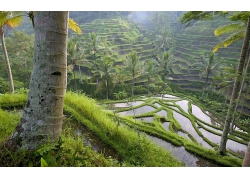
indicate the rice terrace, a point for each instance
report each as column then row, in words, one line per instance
column 124, row 89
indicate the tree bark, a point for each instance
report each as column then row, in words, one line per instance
column 43, row 113
column 11, row 86
column 238, row 99
column 205, row 84
column 246, row 161
column 222, row 148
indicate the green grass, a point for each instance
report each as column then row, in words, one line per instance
column 124, row 140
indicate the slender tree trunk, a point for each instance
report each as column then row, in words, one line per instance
column 148, row 84
column 11, row 84
column 43, row 113
column 74, row 77
column 133, row 83
column 238, row 100
column 107, row 88
column 205, row 84
column 80, row 72
column 222, row 148
column 246, row 161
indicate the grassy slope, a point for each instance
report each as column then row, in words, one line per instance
column 124, row 140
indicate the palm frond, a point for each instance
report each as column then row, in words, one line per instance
column 12, row 22
column 236, row 36
column 233, row 27
column 74, row 26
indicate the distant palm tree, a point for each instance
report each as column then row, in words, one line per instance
column 74, row 54
column 207, row 65
column 133, row 64
column 163, row 40
column 105, row 71
column 12, row 20
column 165, row 62
column 225, row 79
column 150, row 70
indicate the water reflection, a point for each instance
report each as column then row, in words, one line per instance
column 129, row 104
column 137, row 111
column 180, row 153
column 162, row 113
column 166, row 125
column 146, row 119
column 183, row 104
column 157, row 104
column 196, row 111
column 187, row 126
column 183, row 135
column 231, row 145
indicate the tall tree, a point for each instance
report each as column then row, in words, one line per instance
column 150, row 70
column 133, row 64
column 246, row 161
column 75, row 54
column 165, row 62
column 236, row 88
column 105, row 71
column 43, row 112
column 207, row 65
column 12, row 20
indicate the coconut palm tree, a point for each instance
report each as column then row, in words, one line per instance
column 239, row 94
column 237, row 29
column 133, row 64
column 207, row 65
column 163, row 40
column 225, row 80
column 246, row 161
column 150, row 70
column 165, row 63
column 222, row 148
column 43, row 112
column 75, row 54
column 105, row 71
column 12, row 20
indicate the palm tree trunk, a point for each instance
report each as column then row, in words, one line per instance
column 43, row 113
column 80, row 72
column 75, row 77
column 133, row 83
column 246, row 161
column 205, row 84
column 148, row 84
column 11, row 86
column 238, row 100
column 222, row 148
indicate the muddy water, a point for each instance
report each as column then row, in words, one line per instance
column 180, row 153
column 183, row 104
column 137, row 111
column 187, row 126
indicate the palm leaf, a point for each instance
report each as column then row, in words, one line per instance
column 236, row 36
column 234, row 27
column 74, row 26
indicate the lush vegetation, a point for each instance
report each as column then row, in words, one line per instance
column 116, row 58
